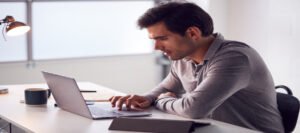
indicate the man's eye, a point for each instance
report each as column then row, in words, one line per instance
column 163, row 38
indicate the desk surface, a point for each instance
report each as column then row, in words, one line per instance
column 50, row 119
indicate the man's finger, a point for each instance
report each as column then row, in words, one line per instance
column 110, row 98
column 113, row 100
column 129, row 102
column 133, row 101
column 121, row 101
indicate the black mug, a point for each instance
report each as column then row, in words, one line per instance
column 37, row 96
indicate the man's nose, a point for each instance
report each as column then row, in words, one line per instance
column 157, row 46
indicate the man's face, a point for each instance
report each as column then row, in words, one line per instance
column 172, row 44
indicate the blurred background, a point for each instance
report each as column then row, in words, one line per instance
column 98, row 40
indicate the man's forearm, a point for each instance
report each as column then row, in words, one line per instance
column 180, row 106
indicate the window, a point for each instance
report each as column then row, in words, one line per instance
column 14, row 48
column 74, row 29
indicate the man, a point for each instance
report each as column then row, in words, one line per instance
column 210, row 77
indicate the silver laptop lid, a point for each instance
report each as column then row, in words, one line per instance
column 66, row 97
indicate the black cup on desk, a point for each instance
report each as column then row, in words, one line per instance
column 37, row 96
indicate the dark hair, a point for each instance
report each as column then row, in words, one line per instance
column 178, row 17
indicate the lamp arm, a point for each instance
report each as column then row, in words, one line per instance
column 3, row 31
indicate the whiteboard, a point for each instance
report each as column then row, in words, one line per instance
column 88, row 29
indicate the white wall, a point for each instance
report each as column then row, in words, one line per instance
column 218, row 10
column 130, row 74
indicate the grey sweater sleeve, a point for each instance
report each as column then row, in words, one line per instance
column 227, row 74
column 170, row 84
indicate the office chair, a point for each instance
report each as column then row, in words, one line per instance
column 288, row 106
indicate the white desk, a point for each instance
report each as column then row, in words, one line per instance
column 50, row 119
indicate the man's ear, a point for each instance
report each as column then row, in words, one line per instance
column 193, row 33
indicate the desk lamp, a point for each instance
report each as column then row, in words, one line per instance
column 12, row 28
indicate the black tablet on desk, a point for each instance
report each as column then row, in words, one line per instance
column 155, row 125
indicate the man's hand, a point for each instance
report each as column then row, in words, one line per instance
column 167, row 94
column 131, row 101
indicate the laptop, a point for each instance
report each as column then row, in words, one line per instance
column 68, row 97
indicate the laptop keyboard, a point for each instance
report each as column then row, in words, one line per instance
column 106, row 111
column 99, row 112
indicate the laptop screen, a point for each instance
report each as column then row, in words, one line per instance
column 66, row 93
